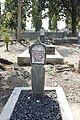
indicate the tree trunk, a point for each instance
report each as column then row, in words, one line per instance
column 0, row 13
column 74, row 7
column 49, row 23
column 7, row 47
column 19, row 21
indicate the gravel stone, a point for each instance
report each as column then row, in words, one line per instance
column 29, row 107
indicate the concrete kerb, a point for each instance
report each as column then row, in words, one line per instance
column 64, row 107
column 24, row 58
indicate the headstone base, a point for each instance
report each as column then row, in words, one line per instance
column 38, row 78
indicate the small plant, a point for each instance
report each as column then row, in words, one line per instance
column 6, row 40
column 6, row 37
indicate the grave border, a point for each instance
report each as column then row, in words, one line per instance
column 63, row 104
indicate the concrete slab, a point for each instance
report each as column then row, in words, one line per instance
column 64, row 107
column 23, row 59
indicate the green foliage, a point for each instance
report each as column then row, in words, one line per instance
column 6, row 37
column 78, row 25
column 10, row 14
column 10, row 17
column 58, row 9
column 53, row 23
column 36, row 15
column 53, row 14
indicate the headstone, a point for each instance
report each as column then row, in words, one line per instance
column 38, row 59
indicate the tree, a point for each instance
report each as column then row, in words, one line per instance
column 6, row 37
column 12, row 7
column 58, row 9
column 78, row 14
column 53, row 15
column 0, row 14
column 74, row 17
column 69, row 9
column 36, row 15
column 19, row 21
column 0, row 10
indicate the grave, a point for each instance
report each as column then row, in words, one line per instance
column 52, row 56
column 63, row 104
column 37, row 102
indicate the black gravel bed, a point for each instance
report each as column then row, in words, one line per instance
column 29, row 107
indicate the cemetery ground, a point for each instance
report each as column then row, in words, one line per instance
column 66, row 75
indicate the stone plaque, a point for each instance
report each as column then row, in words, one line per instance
column 38, row 54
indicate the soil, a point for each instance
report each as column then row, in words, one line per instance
column 67, row 76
